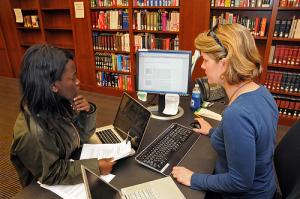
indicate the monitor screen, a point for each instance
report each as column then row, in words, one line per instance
column 161, row 71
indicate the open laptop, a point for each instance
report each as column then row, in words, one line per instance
column 130, row 122
column 163, row 188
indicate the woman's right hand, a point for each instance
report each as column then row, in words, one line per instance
column 205, row 126
column 106, row 165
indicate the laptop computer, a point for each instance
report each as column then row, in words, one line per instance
column 130, row 122
column 163, row 188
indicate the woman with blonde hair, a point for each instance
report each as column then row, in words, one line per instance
column 245, row 138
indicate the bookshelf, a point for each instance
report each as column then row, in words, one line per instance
column 280, row 78
column 119, row 29
column 44, row 22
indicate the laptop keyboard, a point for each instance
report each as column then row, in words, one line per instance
column 168, row 149
column 107, row 137
column 141, row 194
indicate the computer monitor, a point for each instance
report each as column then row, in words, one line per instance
column 163, row 71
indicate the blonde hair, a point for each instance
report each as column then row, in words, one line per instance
column 244, row 61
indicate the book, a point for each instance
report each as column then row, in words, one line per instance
column 277, row 27
column 271, row 55
column 263, row 26
column 297, row 30
column 287, row 28
column 282, row 28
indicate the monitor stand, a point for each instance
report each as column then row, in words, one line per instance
column 157, row 111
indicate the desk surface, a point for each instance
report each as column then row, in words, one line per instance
column 201, row 158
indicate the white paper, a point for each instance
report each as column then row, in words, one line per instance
column 100, row 151
column 79, row 9
column 76, row 191
column 171, row 104
column 18, row 14
column 208, row 113
column 67, row 191
column 195, row 57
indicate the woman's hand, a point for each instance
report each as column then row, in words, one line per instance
column 106, row 165
column 80, row 104
column 205, row 126
column 182, row 175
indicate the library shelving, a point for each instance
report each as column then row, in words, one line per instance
column 263, row 19
column 120, row 28
column 44, row 22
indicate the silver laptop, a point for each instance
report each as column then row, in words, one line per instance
column 130, row 123
column 96, row 188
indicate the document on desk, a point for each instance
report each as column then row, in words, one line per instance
column 208, row 113
column 73, row 191
column 100, row 151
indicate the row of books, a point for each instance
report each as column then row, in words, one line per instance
column 107, row 41
column 151, row 41
column 102, row 3
column 257, row 26
column 283, row 81
column 289, row 3
column 113, row 80
column 160, row 20
column 284, row 54
column 155, row 2
column 31, row 21
column 112, row 61
column 288, row 106
column 110, row 19
column 287, row 28
column 241, row 3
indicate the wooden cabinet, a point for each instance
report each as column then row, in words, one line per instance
column 252, row 16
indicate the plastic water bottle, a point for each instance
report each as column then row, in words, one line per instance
column 196, row 98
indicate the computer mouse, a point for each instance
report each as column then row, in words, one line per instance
column 195, row 125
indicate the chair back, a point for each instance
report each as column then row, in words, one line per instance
column 287, row 161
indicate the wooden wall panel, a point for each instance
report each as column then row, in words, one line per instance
column 82, row 34
column 7, row 21
column 5, row 67
column 195, row 20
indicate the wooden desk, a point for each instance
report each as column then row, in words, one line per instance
column 201, row 158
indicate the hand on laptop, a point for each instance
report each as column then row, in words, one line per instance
column 80, row 104
column 182, row 175
column 106, row 165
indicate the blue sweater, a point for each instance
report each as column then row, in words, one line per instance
column 244, row 141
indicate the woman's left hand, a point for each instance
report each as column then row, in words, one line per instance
column 182, row 175
column 80, row 104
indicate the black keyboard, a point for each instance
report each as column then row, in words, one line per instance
column 167, row 150
column 108, row 137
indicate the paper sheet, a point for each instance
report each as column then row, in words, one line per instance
column 171, row 104
column 100, row 151
column 79, row 9
column 208, row 113
column 18, row 14
column 73, row 191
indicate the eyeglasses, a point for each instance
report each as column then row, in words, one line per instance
column 217, row 40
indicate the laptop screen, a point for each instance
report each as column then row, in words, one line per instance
column 132, row 118
column 97, row 187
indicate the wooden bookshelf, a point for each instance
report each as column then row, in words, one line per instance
column 54, row 23
column 272, row 12
column 59, row 26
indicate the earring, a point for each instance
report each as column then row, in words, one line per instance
column 222, row 77
column 54, row 89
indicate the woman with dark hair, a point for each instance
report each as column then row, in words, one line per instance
column 54, row 121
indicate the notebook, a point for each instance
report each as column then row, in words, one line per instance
column 130, row 123
column 163, row 188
